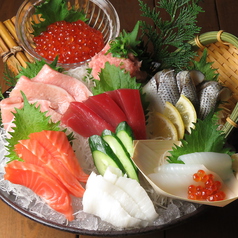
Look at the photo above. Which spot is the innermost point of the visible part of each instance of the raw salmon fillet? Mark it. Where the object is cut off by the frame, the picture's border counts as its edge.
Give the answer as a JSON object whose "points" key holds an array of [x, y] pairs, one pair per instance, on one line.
{"points": [[40, 181], [31, 151], [57, 144]]}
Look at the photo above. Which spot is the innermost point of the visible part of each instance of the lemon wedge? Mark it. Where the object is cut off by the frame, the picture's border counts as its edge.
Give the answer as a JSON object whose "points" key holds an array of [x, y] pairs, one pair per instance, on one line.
{"points": [[160, 127], [187, 112], [175, 117]]}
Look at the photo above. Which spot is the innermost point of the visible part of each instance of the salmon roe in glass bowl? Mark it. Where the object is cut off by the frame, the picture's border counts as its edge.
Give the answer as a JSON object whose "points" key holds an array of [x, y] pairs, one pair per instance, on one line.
{"points": [[103, 25]]}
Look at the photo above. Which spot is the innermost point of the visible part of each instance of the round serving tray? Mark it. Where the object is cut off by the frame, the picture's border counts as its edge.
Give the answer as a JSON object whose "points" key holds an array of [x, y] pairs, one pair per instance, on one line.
{"points": [[9, 200]]}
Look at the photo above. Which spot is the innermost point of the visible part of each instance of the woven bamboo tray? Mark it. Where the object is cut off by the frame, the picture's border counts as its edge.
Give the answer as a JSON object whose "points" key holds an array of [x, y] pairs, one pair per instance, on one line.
{"points": [[222, 50]]}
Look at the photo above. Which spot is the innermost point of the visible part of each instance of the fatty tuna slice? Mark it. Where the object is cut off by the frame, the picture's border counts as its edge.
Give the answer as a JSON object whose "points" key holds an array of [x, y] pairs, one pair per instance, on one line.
{"points": [[42, 183], [84, 121], [57, 144], [41, 91], [73, 86], [106, 108], [31, 151], [8, 107]]}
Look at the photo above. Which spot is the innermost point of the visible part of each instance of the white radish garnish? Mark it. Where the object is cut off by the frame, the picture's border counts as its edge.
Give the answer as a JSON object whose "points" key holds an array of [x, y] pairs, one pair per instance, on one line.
{"points": [[118, 200]]}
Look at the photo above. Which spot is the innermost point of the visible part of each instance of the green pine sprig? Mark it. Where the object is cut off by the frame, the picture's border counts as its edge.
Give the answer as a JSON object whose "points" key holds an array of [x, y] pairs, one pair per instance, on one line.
{"points": [[170, 37]]}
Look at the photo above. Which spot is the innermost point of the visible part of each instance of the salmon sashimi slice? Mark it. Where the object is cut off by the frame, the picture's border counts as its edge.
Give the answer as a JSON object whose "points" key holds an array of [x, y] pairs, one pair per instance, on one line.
{"points": [[73, 86], [40, 181], [31, 151], [37, 91], [56, 143]]}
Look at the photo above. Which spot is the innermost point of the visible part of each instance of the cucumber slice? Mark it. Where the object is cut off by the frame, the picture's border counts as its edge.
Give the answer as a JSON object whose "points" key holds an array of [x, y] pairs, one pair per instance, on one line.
{"points": [[103, 155], [121, 153], [125, 134]]}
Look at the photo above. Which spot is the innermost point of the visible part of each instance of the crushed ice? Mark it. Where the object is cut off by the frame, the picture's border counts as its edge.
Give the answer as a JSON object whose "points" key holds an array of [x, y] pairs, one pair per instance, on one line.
{"points": [[167, 208]]}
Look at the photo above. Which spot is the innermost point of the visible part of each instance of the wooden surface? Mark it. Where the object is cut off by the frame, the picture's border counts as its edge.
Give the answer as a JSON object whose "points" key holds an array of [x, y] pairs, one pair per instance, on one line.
{"points": [[216, 222]]}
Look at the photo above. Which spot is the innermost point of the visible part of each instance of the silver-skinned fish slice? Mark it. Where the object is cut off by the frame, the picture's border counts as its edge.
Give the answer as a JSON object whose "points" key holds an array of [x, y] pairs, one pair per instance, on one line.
{"points": [[187, 87], [208, 97], [167, 87]]}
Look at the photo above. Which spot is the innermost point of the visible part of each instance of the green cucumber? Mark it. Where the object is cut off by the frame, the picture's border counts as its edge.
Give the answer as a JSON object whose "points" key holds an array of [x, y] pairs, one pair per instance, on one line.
{"points": [[103, 155], [121, 152], [125, 134]]}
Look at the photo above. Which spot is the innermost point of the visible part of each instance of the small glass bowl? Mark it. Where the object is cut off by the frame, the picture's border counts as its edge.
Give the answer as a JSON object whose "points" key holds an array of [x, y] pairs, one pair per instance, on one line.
{"points": [[101, 15]]}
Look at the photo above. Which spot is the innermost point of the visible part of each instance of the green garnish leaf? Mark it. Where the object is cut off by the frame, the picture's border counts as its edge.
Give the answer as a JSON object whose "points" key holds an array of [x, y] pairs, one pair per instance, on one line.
{"points": [[205, 67], [28, 120], [112, 78], [204, 138], [55, 10], [169, 37], [34, 68], [125, 43]]}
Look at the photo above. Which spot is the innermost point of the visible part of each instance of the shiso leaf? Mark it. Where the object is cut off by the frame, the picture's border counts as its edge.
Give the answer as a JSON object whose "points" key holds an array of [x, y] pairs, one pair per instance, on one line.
{"points": [[34, 68], [55, 10], [205, 137], [126, 43], [28, 120], [112, 78], [205, 67]]}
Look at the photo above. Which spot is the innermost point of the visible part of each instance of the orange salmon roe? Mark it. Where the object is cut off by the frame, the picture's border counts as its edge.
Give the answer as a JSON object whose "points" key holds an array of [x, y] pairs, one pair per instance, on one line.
{"points": [[210, 191], [72, 41]]}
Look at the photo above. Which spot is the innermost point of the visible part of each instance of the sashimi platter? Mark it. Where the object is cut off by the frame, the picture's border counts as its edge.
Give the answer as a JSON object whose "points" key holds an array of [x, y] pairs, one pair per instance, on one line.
{"points": [[132, 137]]}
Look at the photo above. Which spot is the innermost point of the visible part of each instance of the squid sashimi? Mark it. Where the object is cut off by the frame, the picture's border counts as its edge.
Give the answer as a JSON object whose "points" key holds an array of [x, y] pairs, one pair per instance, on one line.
{"points": [[31, 151], [42, 183], [217, 162], [84, 121], [57, 144], [73, 86], [37, 91], [112, 198]]}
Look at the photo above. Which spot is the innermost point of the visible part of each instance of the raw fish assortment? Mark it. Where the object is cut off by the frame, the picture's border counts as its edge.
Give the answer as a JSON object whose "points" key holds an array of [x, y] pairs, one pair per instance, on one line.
{"points": [[112, 127]]}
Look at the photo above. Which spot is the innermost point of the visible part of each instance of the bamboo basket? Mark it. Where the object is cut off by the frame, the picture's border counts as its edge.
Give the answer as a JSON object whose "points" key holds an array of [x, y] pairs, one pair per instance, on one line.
{"points": [[222, 51]]}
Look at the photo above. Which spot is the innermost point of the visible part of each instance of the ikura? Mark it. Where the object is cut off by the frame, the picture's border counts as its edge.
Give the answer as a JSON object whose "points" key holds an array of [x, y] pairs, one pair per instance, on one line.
{"points": [[210, 191], [72, 42]]}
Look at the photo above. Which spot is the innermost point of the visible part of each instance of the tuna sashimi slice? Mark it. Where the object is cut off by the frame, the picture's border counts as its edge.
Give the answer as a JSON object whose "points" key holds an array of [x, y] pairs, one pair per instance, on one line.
{"points": [[38, 91], [56, 143], [73, 86], [32, 152], [42, 183], [106, 108], [130, 102], [84, 120], [8, 106]]}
